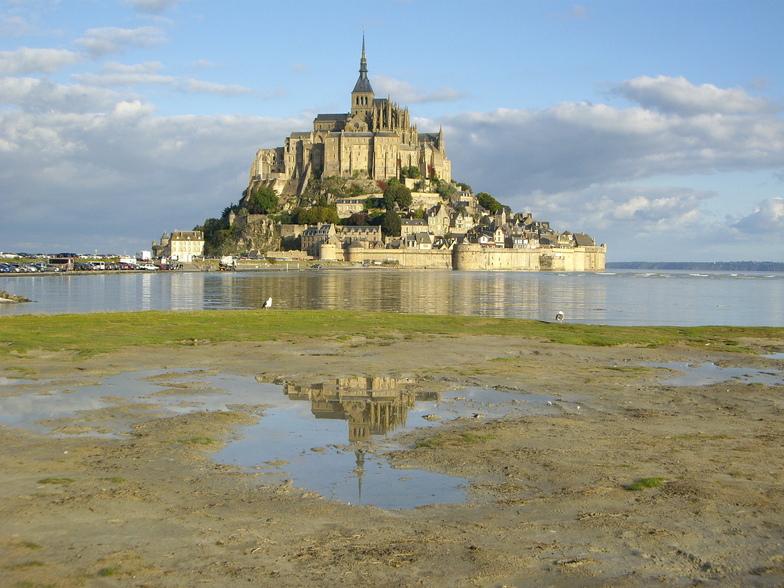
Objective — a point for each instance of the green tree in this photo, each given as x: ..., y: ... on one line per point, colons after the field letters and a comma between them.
x: 355, y: 190
x: 375, y: 218
x: 488, y: 202
x: 396, y: 193
x: 263, y: 200
x: 372, y: 202
x: 315, y: 215
x: 358, y: 219
x: 411, y: 171
x: 446, y: 189
x: 390, y: 224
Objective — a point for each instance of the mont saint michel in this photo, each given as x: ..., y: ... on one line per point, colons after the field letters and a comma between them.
x: 366, y: 186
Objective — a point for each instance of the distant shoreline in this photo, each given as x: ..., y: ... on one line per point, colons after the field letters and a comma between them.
x: 729, y: 266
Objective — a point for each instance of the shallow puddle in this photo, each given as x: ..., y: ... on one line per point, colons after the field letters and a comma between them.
x: 327, y: 437
x: 702, y: 374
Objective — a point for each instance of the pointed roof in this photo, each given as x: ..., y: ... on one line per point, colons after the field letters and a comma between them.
x: 363, y: 83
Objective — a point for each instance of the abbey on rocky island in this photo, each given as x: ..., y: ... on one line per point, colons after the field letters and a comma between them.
x: 374, y: 141
x: 384, y: 195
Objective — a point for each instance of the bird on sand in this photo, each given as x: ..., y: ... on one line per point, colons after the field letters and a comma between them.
x: 559, y: 316
x: 267, y: 303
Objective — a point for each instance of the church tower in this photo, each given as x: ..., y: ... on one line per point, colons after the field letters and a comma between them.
x: 374, y: 140
x: 362, y: 96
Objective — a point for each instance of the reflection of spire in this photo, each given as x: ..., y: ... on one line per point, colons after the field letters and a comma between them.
x: 360, y: 453
x: 371, y: 405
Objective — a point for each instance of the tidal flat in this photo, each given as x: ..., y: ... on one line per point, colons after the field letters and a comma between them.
x: 629, y: 477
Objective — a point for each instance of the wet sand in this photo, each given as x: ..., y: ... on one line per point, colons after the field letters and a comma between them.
x: 548, y: 505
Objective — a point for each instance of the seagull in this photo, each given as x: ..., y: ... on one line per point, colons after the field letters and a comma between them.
x: 560, y: 316
x: 267, y: 303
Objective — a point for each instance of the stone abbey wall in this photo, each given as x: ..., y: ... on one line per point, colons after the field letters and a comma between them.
x: 477, y: 258
x: 408, y: 258
x: 577, y: 259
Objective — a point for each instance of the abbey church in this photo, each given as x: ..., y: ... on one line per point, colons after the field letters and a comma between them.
x: 374, y: 141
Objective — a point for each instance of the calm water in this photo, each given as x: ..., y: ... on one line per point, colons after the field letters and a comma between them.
x: 306, y: 432
x: 613, y: 298
x: 323, y: 435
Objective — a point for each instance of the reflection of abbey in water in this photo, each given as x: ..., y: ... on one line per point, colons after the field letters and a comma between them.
x: 372, y: 406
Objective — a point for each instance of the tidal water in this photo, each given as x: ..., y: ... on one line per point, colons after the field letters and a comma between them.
x: 330, y: 437
x: 628, y: 297
x: 326, y: 436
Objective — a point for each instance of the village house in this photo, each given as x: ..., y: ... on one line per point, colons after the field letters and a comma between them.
x: 460, y: 222
x: 411, y: 226
x: 314, y: 236
x: 369, y: 236
x: 180, y: 246
x: 348, y: 206
x: 422, y: 241
x: 438, y: 220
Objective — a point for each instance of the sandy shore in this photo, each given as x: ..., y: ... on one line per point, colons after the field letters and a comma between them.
x: 548, y: 503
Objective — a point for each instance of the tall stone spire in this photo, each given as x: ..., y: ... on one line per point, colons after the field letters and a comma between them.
x: 363, y: 59
x: 363, y: 83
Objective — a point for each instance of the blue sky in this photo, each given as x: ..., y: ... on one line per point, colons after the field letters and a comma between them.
x: 654, y: 126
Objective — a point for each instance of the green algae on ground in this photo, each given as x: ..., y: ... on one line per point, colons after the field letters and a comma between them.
x: 84, y: 335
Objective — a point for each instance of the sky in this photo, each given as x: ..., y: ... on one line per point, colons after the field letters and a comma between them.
x: 654, y: 126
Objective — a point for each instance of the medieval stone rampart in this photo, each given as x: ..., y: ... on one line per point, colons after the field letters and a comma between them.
x: 469, y: 257
x: 408, y: 258
x: 477, y: 258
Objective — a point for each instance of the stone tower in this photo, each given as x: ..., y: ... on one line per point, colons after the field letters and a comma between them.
x: 373, y: 141
x: 362, y: 96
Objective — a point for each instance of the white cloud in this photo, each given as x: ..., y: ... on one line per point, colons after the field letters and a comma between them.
x: 25, y: 61
x: 767, y: 218
x: 36, y: 95
x: 13, y: 26
x: 574, y: 145
x: 679, y: 96
x: 604, y: 209
x: 110, y: 40
x: 405, y: 93
x: 202, y: 64
x: 577, y: 165
x: 145, y: 174
x: 575, y: 12
x: 191, y: 85
x: 153, y: 6
x: 580, y: 166
x: 120, y: 75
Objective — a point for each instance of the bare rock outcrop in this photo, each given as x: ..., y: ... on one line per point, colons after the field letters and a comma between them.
x: 6, y: 297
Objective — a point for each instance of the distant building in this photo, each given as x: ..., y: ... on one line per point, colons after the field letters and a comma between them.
x: 181, y: 246
x: 368, y: 236
x: 314, y: 236
x: 412, y: 226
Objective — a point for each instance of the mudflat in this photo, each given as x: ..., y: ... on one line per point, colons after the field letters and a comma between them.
x: 551, y: 502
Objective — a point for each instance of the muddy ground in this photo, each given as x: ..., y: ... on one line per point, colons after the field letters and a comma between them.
x: 549, y: 503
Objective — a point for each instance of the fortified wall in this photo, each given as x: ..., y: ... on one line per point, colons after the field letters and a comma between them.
x: 471, y: 257
x: 576, y: 259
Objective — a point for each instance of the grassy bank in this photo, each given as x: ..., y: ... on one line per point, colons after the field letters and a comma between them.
x: 90, y: 334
